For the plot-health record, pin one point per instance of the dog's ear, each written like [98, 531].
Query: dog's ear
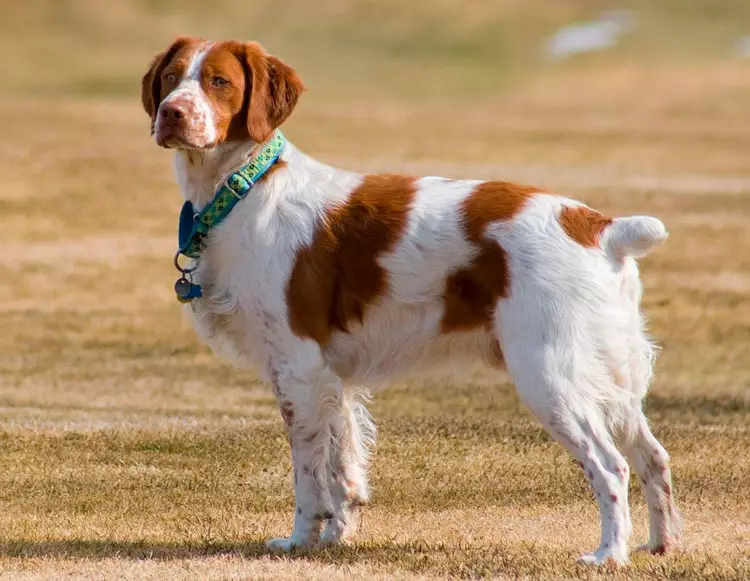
[274, 88]
[151, 81]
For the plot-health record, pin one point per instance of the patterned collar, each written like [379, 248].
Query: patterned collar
[194, 227]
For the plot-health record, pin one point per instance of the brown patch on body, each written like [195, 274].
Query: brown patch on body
[583, 224]
[472, 291]
[337, 277]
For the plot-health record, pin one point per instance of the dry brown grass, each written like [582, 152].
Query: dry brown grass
[128, 451]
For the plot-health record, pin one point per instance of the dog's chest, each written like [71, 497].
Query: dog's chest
[243, 273]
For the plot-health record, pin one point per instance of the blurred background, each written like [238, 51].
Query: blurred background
[568, 83]
[421, 50]
[123, 437]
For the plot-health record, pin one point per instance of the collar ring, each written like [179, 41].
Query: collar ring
[179, 268]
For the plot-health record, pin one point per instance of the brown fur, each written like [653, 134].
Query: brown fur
[337, 277]
[584, 225]
[229, 101]
[273, 89]
[472, 291]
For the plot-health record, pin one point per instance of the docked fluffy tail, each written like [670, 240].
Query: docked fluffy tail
[634, 236]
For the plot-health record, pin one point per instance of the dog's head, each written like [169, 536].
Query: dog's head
[200, 94]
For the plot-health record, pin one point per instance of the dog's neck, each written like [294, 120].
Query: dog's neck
[201, 171]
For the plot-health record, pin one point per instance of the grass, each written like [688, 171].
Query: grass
[128, 451]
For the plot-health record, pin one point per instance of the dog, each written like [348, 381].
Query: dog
[326, 280]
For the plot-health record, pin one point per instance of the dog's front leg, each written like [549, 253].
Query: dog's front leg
[348, 477]
[310, 400]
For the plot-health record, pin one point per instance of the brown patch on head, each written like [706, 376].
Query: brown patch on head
[472, 291]
[223, 80]
[257, 93]
[153, 90]
[272, 91]
[338, 276]
[583, 224]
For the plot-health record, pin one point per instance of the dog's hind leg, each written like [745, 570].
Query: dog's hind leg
[582, 431]
[348, 476]
[648, 457]
[562, 389]
[651, 463]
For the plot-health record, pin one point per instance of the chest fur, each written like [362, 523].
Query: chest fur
[243, 272]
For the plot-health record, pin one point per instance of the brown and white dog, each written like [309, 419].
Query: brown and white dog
[327, 280]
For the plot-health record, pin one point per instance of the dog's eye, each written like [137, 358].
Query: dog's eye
[219, 82]
[171, 78]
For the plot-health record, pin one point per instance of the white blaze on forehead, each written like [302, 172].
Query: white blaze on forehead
[193, 72]
[190, 91]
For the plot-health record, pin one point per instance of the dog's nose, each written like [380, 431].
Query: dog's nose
[173, 112]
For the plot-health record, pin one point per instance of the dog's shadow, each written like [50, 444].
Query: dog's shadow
[133, 550]
[99, 549]
[415, 555]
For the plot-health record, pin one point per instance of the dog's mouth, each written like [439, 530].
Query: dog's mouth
[170, 140]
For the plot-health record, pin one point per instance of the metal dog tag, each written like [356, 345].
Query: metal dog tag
[182, 288]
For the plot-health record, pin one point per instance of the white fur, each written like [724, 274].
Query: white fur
[570, 331]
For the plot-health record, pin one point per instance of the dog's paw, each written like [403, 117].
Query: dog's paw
[656, 549]
[602, 556]
[283, 545]
[330, 538]
[341, 527]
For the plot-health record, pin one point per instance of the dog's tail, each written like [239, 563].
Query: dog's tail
[634, 236]
[620, 238]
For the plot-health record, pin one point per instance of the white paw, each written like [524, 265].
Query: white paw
[282, 545]
[587, 559]
[341, 527]
[602, 556]
[336, 532]
[331, 537]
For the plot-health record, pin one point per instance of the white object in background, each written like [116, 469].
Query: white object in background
[742, 47]
[590, 36]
